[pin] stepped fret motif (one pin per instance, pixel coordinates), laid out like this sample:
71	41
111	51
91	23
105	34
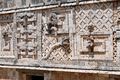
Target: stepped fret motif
26	36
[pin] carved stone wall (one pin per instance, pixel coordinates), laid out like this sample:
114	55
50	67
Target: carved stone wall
55	37
85	36
6	36
100	18
26	35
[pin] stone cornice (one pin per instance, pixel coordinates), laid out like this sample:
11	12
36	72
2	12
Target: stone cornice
32	8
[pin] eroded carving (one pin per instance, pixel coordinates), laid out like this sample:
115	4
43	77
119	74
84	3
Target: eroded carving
54	23
7	35
93	43
8	18
56	45
26	35
62	44
90	39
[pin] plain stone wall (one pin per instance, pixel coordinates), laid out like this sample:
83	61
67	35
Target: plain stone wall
8	74
13	74
77	76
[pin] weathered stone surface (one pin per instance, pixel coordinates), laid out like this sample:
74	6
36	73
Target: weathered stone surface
84	36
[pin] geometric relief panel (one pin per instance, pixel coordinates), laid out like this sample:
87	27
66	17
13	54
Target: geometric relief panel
53	50
26	35
99	15
55	36
98	48
60	54
7	39
94	44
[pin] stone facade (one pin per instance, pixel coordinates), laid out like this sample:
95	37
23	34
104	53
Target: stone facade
60	34
12	74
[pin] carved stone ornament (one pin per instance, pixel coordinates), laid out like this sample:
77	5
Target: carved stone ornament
6	35
26	32
54	23
62	44
93	44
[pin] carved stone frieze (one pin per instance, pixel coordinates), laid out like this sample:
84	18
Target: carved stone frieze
7	18
54	23
26	36
64	46
7	35
31	16
56	45
6	39
93	44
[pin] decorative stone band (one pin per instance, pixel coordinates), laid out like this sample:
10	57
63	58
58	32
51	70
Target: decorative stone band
6	18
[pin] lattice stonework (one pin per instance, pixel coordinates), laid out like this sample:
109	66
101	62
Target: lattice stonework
59	53
114	47
55	37
100	17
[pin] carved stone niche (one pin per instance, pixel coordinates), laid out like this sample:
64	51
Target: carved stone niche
54	23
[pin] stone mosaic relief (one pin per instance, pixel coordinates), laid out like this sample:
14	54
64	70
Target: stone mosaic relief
89	43
26	35
56	46
6	35
99	16
6	41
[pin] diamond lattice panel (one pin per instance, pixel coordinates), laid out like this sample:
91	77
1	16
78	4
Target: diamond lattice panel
60	53
99	15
